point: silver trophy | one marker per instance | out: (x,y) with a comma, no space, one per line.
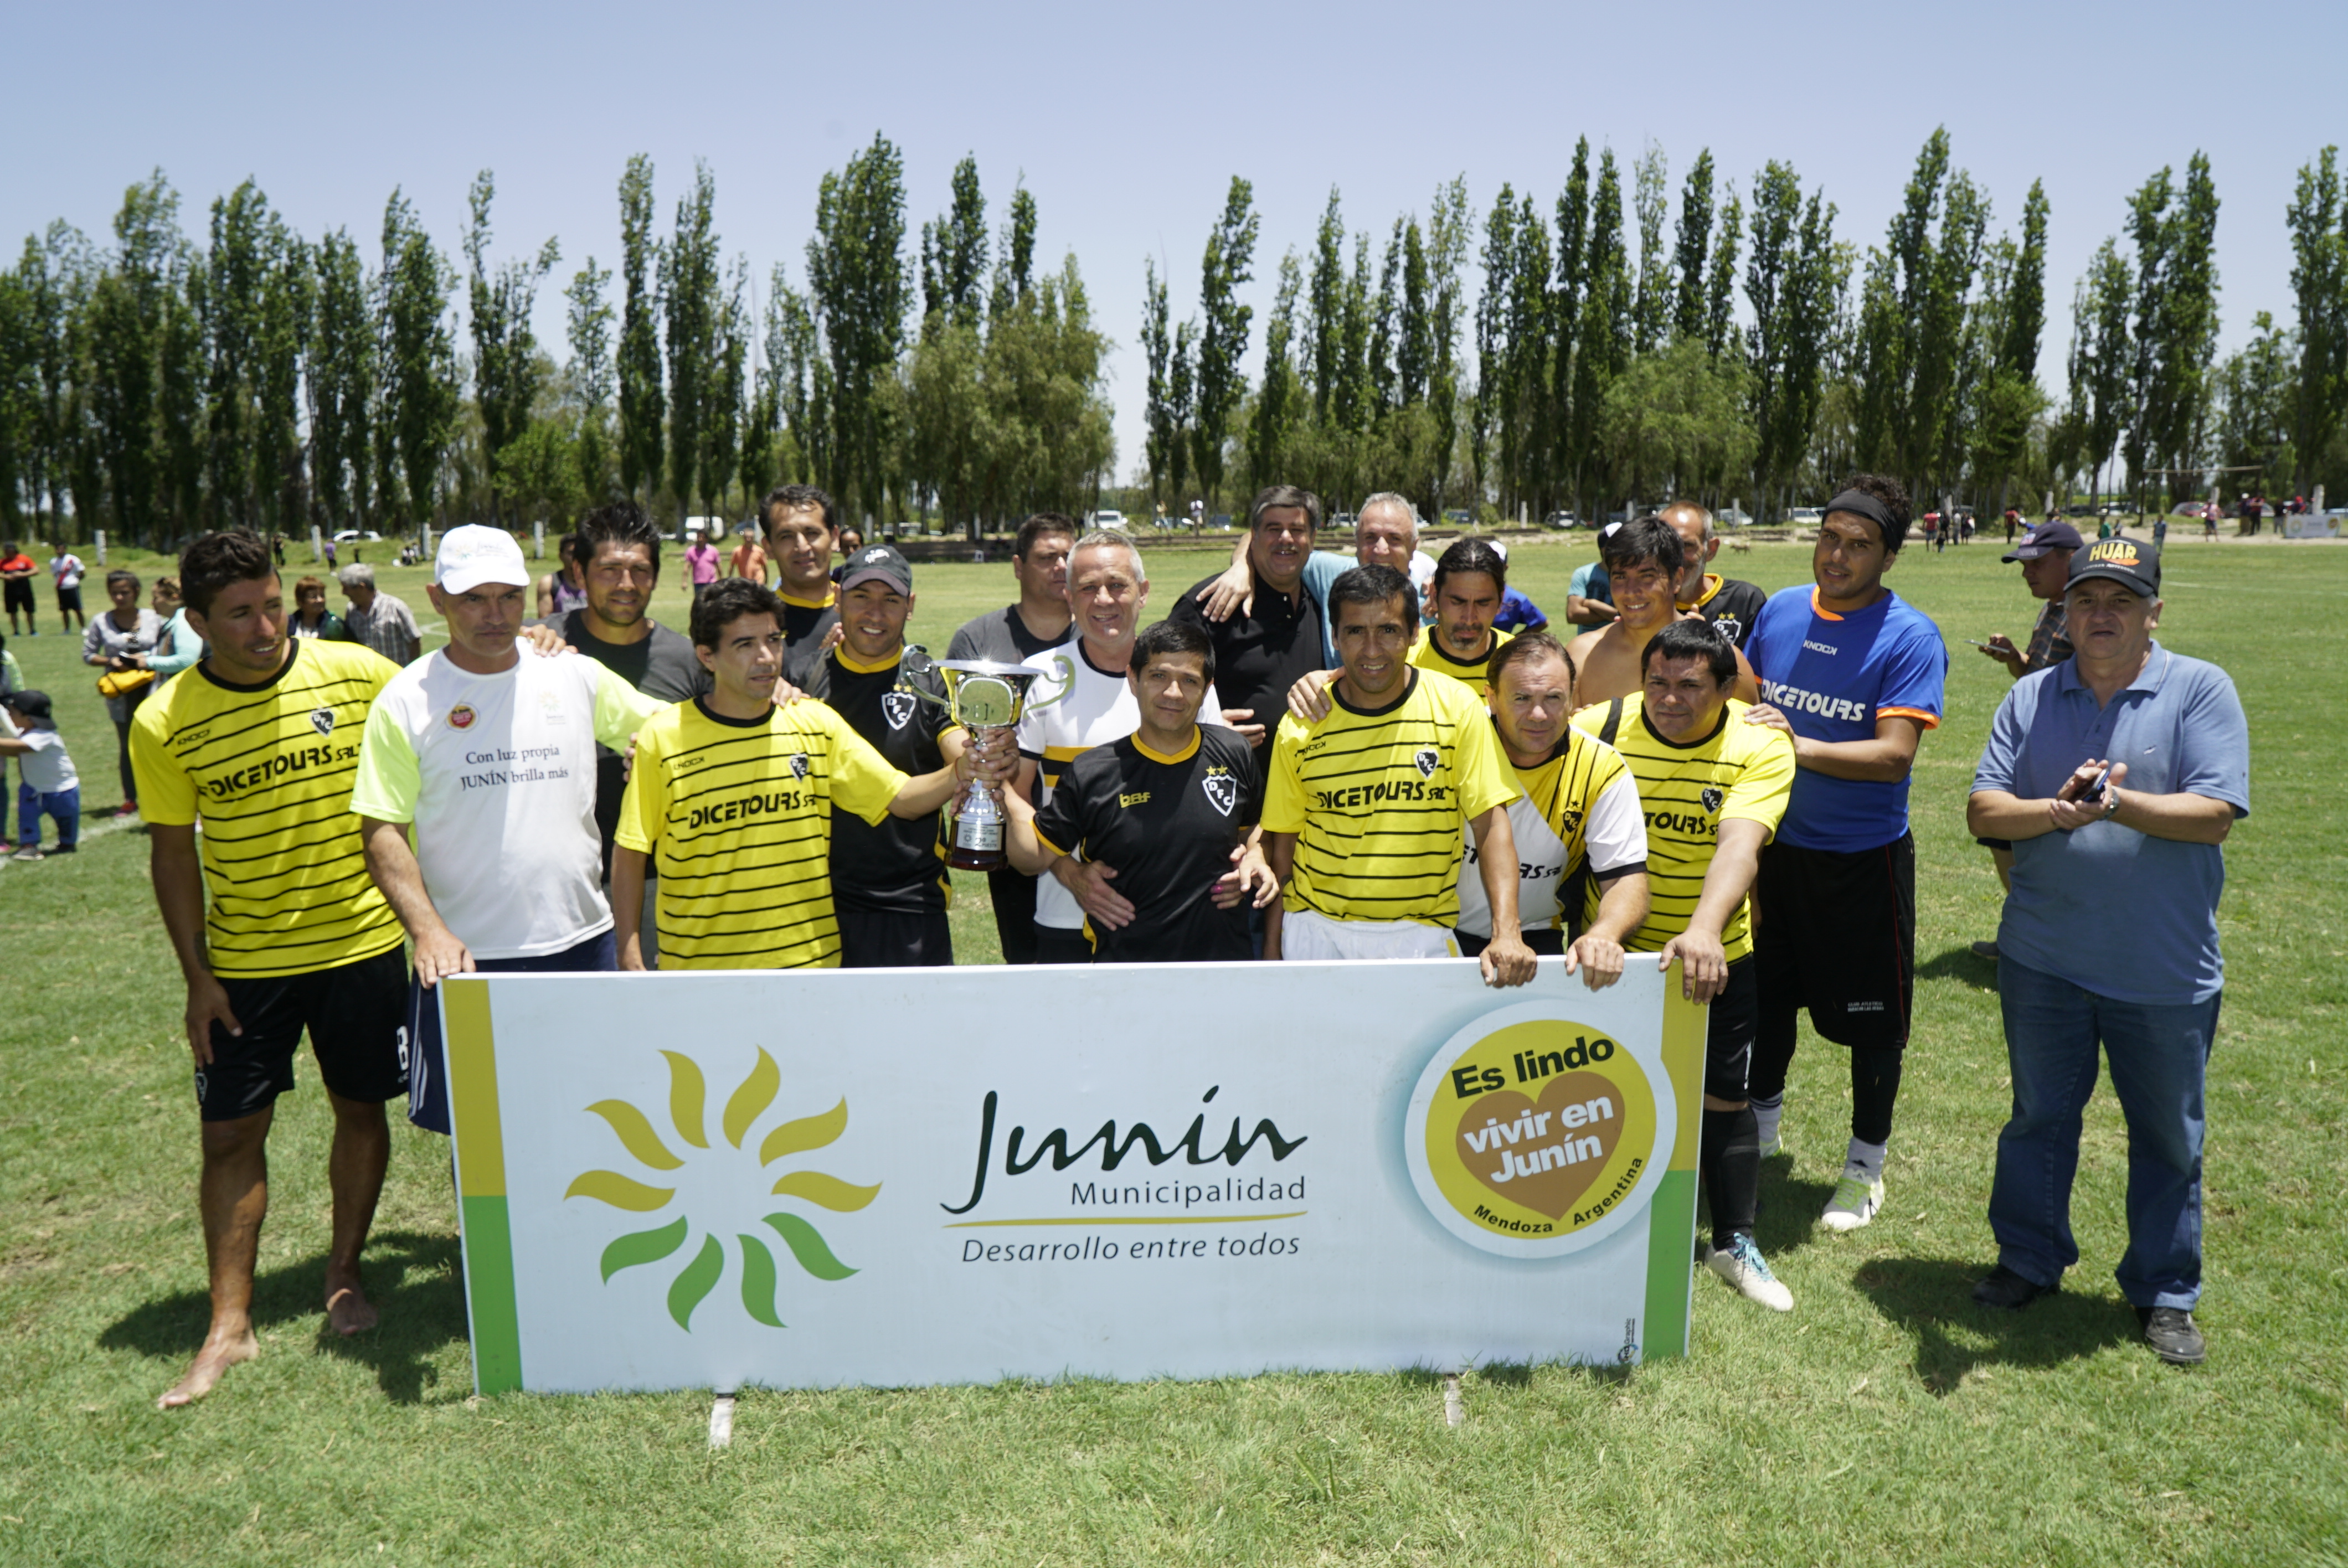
(988,700)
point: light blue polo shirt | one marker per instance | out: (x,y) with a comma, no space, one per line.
(2112,910)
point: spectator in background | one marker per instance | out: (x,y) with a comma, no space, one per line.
(119,642)
(749,557)
(852,540)
(179,647)
(2111,935)
(2254,511)
(701,571)
(1727,604)
(17,570)
(2045,554)
(381,620)
(66,569)
(12,680)
(311,617)
(563,589)
(1590,597)
(50,785)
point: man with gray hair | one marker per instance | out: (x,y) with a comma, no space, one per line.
(1108,587)
(380,620)
(1385,533)
(1729,605)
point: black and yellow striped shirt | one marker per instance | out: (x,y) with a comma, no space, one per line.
(267,771)
(1738,770)
(736,813)
(1428,653)
(1377,799)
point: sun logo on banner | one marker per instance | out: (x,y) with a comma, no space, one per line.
(688,1097)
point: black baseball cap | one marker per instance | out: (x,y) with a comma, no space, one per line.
(2134,562)
(32,704)
(2044,539)
(877,563)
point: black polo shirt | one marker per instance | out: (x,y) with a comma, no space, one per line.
(1258,656)
(662,665)
(1167,825)
(896,865)
(1731,608)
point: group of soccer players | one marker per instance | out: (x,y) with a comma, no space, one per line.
(771,792)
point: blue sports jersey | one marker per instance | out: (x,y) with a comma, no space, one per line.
(1833,676)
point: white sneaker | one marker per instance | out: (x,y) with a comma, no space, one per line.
(1741,1263)
(1856,1199)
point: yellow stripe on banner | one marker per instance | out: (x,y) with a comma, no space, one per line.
(472,1055)
(1684,1048)
(1121,1220)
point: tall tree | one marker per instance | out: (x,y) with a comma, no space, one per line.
(857,281)
(587,321)
(1014,270)
(1497,389)
(1276,403)
(1327,308)
(2318,218)
(127,312)
(2175,232)
(2102,358)
(341,383)
(723,392)
(1603,340)
(692,309)
(507,369)
(1225,268)
(1720,283)
(953,254)
(419,382)
(642,407)
(1448,234)
(1691,315)
(2256,396)
(1163,443)
(1651,311)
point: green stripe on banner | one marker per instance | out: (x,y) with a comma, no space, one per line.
(1671,1277)
(490,1278)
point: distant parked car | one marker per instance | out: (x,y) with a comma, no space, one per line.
(1105,519)
(1560,519)
(1805,517)
(356,536)
(1341,520)
(1221,522)
(1458,518)
(1731,518)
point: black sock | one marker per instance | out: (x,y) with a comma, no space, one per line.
(1874,1085)
(1730,1154)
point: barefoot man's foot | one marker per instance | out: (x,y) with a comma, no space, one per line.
(219,1354)
(348,1311)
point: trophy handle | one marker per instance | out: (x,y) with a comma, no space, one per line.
(916,661)
(1065,674)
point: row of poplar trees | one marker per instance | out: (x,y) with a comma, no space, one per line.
(1603,349)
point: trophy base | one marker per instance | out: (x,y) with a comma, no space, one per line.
(963,859)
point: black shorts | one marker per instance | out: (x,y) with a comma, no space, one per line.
(1837,935)
(1013,894)
(1057,944)
(353,1013)
(894,940)
(1549,942)
(20,595)
(1730,1027)
(70,598)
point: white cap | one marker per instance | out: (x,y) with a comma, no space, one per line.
(472,554)
(1499,549)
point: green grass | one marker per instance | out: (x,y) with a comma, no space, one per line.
(1886,1419)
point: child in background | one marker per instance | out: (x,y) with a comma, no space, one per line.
(49,784)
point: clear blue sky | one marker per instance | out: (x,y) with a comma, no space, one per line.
(1128,121)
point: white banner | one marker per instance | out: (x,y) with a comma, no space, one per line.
(895,1177)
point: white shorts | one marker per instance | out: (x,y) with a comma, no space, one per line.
(1305,935)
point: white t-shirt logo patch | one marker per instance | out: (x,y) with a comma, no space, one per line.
(1427,758)
(798,764)
(897,707)
(1222,792)
(323,721)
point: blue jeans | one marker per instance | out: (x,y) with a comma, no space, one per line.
(2159,1060)
(64,808)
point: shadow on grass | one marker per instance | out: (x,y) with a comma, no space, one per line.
(1928,1297)
(1787,1219)
(413,1279)
(1959,964)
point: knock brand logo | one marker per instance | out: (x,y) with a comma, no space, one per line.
(1534,1135)
(720,1178)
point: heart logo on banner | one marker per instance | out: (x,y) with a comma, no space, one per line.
(1539,1171)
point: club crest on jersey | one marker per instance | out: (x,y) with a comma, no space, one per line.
(1425,758)
(1222,792)
(1712,799)
(1730,627)
(897,707)
(461,716)
(798,764)
(323,721)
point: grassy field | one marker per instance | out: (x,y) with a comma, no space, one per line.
(1886,1419)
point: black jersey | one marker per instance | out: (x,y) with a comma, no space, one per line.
(1167,824)
(805,624)
(898,864)
(1729,606)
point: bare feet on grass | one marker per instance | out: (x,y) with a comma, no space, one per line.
(221,1352)
(348,1311)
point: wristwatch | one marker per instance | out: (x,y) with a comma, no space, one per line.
(2111,803)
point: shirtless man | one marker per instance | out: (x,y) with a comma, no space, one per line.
(1645,561)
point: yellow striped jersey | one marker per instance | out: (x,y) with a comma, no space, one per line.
(1428,654)
(267,771)
(1377,798)
(1739,770)
(736,813)
(1579,808)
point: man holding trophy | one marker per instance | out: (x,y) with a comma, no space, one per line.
(1087,702)
(735,797)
